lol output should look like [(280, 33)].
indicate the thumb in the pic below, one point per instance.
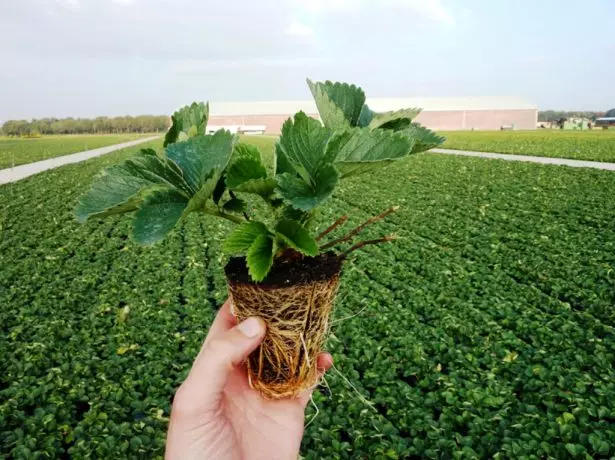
[(220, 356)]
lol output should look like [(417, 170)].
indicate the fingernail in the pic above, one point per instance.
[(251, 327)]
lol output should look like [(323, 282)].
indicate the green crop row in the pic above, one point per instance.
[(19, 151), (484, 331), (595, 145)]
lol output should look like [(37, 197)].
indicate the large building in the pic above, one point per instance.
[(489, 113)]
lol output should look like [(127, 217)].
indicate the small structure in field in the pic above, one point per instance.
[(607, 121)]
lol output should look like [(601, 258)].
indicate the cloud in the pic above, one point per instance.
[(68, 3), (202, 65), (123, 2), (430, 9), (317, 6), (297, 28)]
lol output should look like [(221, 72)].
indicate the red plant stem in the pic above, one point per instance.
[(336, 224), (369, 221), (365, 243)]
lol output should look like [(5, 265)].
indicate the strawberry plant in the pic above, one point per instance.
[(213, 174)]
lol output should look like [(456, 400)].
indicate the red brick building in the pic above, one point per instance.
[(479, 113)]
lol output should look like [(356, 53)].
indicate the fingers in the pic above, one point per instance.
[(217, 359), (223, 321), (324, 361)]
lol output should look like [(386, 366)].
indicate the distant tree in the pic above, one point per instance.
[(555, 115), (98, 125)]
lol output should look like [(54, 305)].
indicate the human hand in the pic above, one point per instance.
[(216, 415)]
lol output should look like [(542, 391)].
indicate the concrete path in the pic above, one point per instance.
[(23, 171), (531, 159)]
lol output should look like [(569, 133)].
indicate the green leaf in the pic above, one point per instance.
[(121, 188), (235, 205), (199, 199), (396, 120), (424, 139), (339, 104), (187, 122), (113, 192), (243, 170), (260, 257), (359, 150), (157, 215), (303, 143), (249, 151), (575, 449), (366, 117), (262, 187), (294, 235), (281, 162), (305, 196), (160, 170), (242, 237), (200, 155), (290, 213)]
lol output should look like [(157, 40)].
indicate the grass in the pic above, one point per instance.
[(595, 145), (18, 151), (485, 330)]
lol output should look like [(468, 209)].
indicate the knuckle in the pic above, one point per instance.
[(215, 349)]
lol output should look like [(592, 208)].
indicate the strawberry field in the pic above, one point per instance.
[(485, 331), (16, 151), (594, 145)]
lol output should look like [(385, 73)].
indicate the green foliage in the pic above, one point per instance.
[(18, 151), (260, 257), (187, 122), (297, 237), (594, 145), (242, 237), (358, 150), (78, 126), (199, 173), (339, 104), (202, 157), (395, 121), (158, 214), (424, 138)]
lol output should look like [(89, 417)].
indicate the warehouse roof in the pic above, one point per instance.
[(377, 104)]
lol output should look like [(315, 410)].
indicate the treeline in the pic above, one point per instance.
[(555, 115), (98, 125)]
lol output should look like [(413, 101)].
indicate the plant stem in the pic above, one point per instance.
[(369, 221), (215, 212), (365, 243), (336, 224)]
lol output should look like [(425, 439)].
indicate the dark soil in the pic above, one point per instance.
[(288, 272)]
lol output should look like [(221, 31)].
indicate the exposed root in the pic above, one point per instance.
[(315, 415), (349, 316), (362, 398), (297, 319)]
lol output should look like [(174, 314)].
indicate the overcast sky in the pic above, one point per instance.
[(113, 57)]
